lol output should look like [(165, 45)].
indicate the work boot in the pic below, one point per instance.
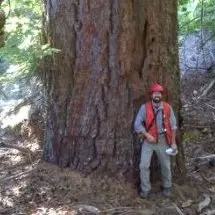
[(167, 192), (144, 194)]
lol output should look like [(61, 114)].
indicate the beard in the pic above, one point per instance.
[(156, 99)]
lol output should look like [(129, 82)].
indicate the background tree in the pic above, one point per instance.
[(111, 51), (2, 24)]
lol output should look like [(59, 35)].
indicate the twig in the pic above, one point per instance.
[(187, 23), (194, 126), (178, 209), (3, 93), (88, 208), (144, 211), (17, 176), (117, 208), (205, 157), (207, 89), (213, 116), (210, 106)]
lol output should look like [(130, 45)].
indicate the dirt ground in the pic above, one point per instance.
[(29, 185)]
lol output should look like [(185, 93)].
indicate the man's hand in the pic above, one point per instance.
[(174, 146), (150, 138)]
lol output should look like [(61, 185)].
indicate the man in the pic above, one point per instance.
[(155, 124)]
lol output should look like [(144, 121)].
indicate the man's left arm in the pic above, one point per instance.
[(173, 124)]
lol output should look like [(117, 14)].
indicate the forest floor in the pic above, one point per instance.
[(29, 185)]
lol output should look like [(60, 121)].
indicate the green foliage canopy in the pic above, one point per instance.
[(195, 15), (23, 45)]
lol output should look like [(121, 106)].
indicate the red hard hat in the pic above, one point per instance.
[(156, 88)]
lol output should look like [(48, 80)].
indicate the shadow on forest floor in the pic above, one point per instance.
[(30, 185)]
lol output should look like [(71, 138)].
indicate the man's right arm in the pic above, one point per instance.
[(139, 127), (138, 124)]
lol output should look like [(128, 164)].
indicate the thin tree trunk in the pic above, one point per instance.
[(2, 24), (111, 51)]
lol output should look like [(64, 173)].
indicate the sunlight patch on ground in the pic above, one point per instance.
[(16, 191), (51, 211), (15, 118), (32, 145), (10, 75), (16, 159), (9, 193), (11, 156), (12, 69), (6, 201)]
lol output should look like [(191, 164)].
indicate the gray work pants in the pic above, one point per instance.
[(164, 160)]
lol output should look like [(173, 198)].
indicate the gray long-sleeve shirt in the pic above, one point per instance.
[(141, 117)]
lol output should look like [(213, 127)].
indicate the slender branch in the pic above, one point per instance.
[(207, 89), (188, 22)]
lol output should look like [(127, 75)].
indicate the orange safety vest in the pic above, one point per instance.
[(150, 122)]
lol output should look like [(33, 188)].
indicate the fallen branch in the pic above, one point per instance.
[(21, 149), (127, 210), (178, 209), (16, 176), (211, 178), (210, 106), (213, 116), (204, 157), (205, 203), (194, 126), (143, 211), (88, 209), (6, 145), (209, 212), (117, 209), (207, 89)]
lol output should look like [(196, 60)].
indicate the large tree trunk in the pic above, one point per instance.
[(111, 51)]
